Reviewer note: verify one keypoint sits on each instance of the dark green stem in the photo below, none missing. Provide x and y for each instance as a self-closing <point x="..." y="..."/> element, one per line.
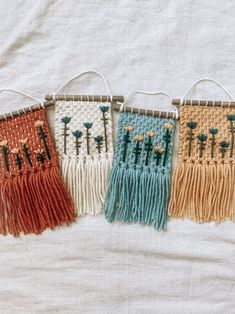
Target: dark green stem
<point x="232" y="138"/>
<point x="5" y="160"/>
<point x="166" y="148"/>
<point x="201" y="149"/>
<point x="105" y="132"/>
<point x="43" y="137"/>
<point x="41" y="158"/>
<point x="149" y="144"/>
<point x="125" y="145"/>
<point x="137" y="152"/>
<point x="158" y="158"/>
<point x="65" y="138"/>
<point x="18" y="161"/>
<point x="27" y="155"/>
<point x="190" y="142"/>
<point x="212" y="145"/>
<point x="87" y="141"/>
<point x="99" y="147"/>
<point x="222" y="152"/>
<point x="77" y="143"/>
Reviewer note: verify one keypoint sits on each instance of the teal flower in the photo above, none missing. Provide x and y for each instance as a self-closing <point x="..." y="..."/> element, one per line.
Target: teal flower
<point x="104" y="108"/>
<point x="87" y="125"/>
<point x="224" y="145"/>
<point x="192" y="125"/>
<point x="202" y="137"/>
<point x="231" y="117"/>
<point x="213" y="131"/>
<point x="77" y="134"/>
<point x="66" y="120"/>
<point x="99" y="142"/>
<point x="99" y="138"/>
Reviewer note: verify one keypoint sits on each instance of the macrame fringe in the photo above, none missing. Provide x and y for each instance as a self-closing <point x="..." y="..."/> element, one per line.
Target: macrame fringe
<point x="203" y="192"/>
<point x="86" y="180"/>
<point x="138" y="194"/>
<point x="34" y="201"/>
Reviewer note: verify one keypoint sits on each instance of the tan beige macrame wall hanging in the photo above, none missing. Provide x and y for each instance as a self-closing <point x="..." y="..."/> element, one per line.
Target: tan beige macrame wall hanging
<point x="33" y="195"/>
<point x="84" y="140"/>
<point x="203" y="184"/>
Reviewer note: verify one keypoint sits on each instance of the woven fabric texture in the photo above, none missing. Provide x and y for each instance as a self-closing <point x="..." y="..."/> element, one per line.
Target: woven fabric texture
<point x="80" y="112"/>
<point x="210" y="121"/>
<point x="141" y="125"/>
<point x="25" y="130"/>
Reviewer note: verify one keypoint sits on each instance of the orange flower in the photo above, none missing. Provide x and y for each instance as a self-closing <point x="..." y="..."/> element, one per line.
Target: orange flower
<point x="15" y="150"/>
<point x="150" y="133"/>
<point x="38" y="151"/>
<point x="159" y="149"/>
<point x="139" y="138"/>
<point x="3" y="143"/>
<point x="38" y="123"/>
<point x="129" y="128"/>
<point x="168" y="126"/>
<point x="23" y="140"/>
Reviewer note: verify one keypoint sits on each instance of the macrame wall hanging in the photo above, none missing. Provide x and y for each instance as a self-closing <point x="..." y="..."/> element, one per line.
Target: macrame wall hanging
<point x="203" y="182"/>
<point x="139" y="182"/>
<point x="84" y="140"/>
<point x="33" y="195"/>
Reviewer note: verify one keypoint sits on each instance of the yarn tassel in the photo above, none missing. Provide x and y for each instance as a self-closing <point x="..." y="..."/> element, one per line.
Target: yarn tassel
<point x="86" y="180"/>
<point x="202" y="192"/>
<point x="34" y="201"/>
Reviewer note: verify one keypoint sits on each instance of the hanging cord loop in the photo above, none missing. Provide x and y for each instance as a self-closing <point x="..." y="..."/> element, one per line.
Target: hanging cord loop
<point x="81" y="74"/>
<point x="122" y="108"/>
<point x="206" y="80"/>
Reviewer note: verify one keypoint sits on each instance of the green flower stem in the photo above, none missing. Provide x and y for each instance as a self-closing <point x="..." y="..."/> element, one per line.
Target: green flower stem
<point x="201" y="149"/>
<point x="41" y="158"/>
<point x="212" y="145"/>
<point x="105" y="132"/>
<point x="5" y="159"/>
<point x="87" y="141"/>
<point x="190" y="142"/>
<point x="232" y="138"/>
<point x="27" y="154"/>
<point x="18" y="161"/>
<point x="137" y="149"/>
<point x="223" y="150"/>
<point x="77" y="145"/>
<point x="126" y="141"/>
<point x="65" y="137"/>
<point x="99" y="147"/>
<point x="148" y="149"/>
<point x="43" y="137"/>
<point x="158" y="158"/>
<point x="167" y="136"/>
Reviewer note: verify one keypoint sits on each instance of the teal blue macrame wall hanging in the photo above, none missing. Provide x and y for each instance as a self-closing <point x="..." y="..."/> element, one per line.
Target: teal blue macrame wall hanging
<point x="139" y="181"/>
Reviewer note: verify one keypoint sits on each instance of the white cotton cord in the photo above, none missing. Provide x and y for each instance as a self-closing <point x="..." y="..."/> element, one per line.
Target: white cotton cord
<point x="81" y="74"/>
<point x="206" y="80"/>
<point x="22" y="94"/>
<point x="122" y="108"/>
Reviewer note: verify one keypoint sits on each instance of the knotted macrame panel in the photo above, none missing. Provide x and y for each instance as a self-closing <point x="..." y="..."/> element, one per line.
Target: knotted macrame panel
<point x="217" y="122"/>
<point x="78" y="113"/>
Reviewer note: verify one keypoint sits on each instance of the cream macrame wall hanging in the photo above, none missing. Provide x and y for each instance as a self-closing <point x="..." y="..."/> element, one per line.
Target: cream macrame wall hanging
<point x="203" y="186"/>
<point x="139" y="182"/>
<point x="84" y="141"/>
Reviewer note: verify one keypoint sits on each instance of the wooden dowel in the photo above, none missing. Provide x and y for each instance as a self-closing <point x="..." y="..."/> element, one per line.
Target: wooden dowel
<point x="210" y="103"/>
<point x="13" y="114"/>
<point x="148" y="112"/>
<point x="101" y="98"/>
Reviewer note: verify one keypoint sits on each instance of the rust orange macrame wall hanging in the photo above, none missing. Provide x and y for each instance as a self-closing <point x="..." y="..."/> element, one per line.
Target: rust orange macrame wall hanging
<point x="33" y="195"/>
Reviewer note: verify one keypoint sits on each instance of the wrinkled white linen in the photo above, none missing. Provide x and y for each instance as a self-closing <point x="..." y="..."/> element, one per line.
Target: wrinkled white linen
<point x="94" y="266"/>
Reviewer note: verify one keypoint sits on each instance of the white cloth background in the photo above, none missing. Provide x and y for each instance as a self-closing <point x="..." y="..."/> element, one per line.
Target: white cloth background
<point x="94" y="266"/>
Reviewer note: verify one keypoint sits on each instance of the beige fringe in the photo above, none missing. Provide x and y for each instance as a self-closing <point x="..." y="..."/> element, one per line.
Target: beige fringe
<point x="203" y="192"/>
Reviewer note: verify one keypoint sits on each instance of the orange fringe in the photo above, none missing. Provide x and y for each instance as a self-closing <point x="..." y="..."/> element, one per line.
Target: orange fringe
<point x="34" y="201"/>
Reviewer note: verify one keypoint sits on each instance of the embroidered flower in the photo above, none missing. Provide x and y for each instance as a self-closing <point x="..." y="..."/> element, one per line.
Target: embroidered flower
<point x="150" y="133"/>
<point x="129" y="128"/>
<point x="224" y="145"/>
<point x="77" y="134"/>
<point x="38" y="123"/>
<point x="192" y="125"/>
<point x="159" y="149"/>
<point x="139" y="138"/>
<point x="38" y="151"/>
<point x="87" y="125"/>
<point x="104" y="108"/>
<point x="23" y="140"/>
<point x="99" y="138"/>
<point x="66" y="120"/>
<point x="213" y="131"/>
<point x="3" y="143"/>
<point x="168" y="126"/>
<point x="231" y="117"/>
<point x="15" y="150"/>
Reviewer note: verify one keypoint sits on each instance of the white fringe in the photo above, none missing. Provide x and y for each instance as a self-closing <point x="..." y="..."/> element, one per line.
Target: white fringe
<point x="86" y="179"/>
